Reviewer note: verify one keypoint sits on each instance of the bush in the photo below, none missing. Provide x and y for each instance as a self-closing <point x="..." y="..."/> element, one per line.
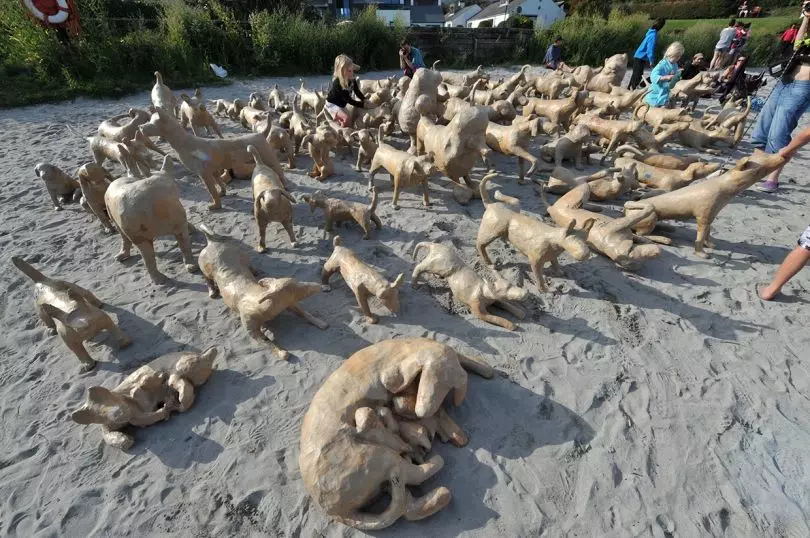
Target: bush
<point x="485" y="24"/>
<point x="689" y="9"/>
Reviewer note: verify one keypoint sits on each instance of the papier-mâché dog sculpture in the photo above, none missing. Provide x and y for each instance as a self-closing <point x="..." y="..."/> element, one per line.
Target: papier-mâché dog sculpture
<point x="352" y="446"/>
<point x="146" y="396"/>
<point x="70" y="311"/>
<point x="61" y="187"/>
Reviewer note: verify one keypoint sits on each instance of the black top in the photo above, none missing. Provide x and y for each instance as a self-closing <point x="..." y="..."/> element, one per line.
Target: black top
<point x="690" y="71"/>
<point x="340" y="96"/>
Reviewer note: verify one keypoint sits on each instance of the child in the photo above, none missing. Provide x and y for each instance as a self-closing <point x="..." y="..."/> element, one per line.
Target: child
<point x="800" y="255"/>
<point x="645" y="53"/>
<point x="664" y="76"/>
<point x="340" y="93"/>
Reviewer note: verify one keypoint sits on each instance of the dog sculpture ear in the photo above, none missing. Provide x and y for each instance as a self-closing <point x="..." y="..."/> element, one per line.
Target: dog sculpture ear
<point x="570" y="227"/>
<point x="588" y="225"/>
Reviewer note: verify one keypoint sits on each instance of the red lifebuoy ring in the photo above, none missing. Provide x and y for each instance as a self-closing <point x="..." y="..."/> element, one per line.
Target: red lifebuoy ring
<point x="59" y="17"/>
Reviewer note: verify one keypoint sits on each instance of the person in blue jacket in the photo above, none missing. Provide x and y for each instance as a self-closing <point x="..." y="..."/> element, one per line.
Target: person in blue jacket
<point x="645" y="53"/>
<point x="664" y="76"/>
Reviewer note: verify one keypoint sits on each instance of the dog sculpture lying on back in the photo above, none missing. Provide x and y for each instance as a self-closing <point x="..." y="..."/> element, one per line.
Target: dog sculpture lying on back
<point x="147" y="395"/>
<point x="354" y="447"/>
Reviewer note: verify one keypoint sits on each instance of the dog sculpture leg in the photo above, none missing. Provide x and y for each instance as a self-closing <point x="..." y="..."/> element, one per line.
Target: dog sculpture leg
<point x="47" y="319"/>
<point x="120" y="336"/>
<point x="211" y="184"/>
<point x="117" y="439"/>
<point x="185" y="391"/>
<point x="319" y="323"/>
<point x="537" y="270"/>
<point x="75" y="344"/>
<point x="147" y="249"/>
<point x="362" y="296"/>
<point x="126" y="248"/>
<point x="480" y="312"/>
<point x="524" y="155"/>
<point x="184" y="242"/>
<point x="512" y="309"/>
<point x="703" y="228"/>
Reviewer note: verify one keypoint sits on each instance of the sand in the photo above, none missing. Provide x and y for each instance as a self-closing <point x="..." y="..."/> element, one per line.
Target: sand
<point x="667" y="402"/>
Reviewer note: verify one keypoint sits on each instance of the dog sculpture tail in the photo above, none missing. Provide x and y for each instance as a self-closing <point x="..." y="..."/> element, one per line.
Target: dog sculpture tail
<point x="337" y="241"/>
<point x="637" y="114"/>
<point x="28" y="269"/>
<point x="631" y="148"/>
<point x="373" y="205"/>
<point x="423" y="244"/>
<point x="209" y="234"/>
<point x="400" y="499"/>
<point x="482" y="189"/>
<point x="437" y="62"/>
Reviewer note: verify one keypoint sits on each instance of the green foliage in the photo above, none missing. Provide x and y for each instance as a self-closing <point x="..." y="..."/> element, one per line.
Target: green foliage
<point x="688" y="9"/>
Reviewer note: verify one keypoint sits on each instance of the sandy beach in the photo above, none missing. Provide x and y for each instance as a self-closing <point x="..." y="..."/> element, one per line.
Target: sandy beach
<point x="667" y="402"/>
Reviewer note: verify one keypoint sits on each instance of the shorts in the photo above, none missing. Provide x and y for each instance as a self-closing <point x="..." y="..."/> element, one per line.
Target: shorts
<point x="723" y="50"/>
<point x="804" y="239"/>
<point x="333" y="109"/>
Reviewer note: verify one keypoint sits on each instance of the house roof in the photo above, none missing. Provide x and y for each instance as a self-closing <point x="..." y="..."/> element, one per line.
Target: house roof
<point x="495" y="8"/>
<point x="463" y="12"/>
<point x="427" y="15"/>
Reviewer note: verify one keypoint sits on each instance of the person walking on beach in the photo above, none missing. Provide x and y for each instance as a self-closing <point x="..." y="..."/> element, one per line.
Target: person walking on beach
<point x="723" y="45"/>
<point x="344" y="84"/>
<point x="410" y="58"/>
<point x="645" y="53"/>
<point x="787" y="103"/>
<point x="664" y="76"/>
<point x="799" y="256"/>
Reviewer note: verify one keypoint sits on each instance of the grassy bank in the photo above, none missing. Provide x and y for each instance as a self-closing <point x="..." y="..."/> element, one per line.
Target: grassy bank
<point x="181" y="40"/>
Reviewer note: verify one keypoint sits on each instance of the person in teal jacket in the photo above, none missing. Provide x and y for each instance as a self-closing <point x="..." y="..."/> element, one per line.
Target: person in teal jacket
<point x="645" y="53"/>
<point x="664" y="76"/>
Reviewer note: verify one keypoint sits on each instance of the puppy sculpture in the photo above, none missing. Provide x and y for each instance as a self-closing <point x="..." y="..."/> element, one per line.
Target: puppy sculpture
<point x="367" y="149"/>
<point x="225" y="265"/>
<point x="230" y="109"/>
<point x="250" y="116"/>
<point x="121" y="152"/>
<point x="114" y="130"/>
<point x="406" y="170"/>
<point x="143" y="209"/>
<point x="207" y="157"/>
<point x="337" y="211"/>
<point x="704" y="200"/>
<point x="162" y="96"/>
<point x="61" y="187"/>
<point x="362" y="279"/>
<point x="320" y="144"/>
<point x="569" y="146"/>
<point x="146" y="396"/>
<point x="70" y="311"/>
<point x="277" y="100"/>
<point x="611" y="237"/>
<point x="271" y="201"/>
<point x="539" y="242"/>
<point x="478" y="294"/>
<point x="355" y="445"/>
<point x="197" y="117"/>
<point x="311" y="99"/>
<point x="616" y="131"/>
<point x="94" y="181"/>
<point x="513" y="140"/>
<point x="607" y="184"/>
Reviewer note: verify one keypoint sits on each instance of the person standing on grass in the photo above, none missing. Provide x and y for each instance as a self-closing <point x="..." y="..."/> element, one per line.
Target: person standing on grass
<point x="799" y="256"/>
<point x="410" y="58"/>
<point x="344" y="84"/>
<point x="664" y="76"/>
<point x="723" y="44"/>
<point x="645" y="53"/>
<point x="787" y="103"/>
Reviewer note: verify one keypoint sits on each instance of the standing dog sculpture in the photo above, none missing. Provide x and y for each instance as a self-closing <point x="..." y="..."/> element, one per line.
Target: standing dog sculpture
<point x="406" y="170"/>
<point x="70" y="311"/>
<point x="362" y="279"/>
<point x="539" y="242"/>
<point x="225" y="265"/>
<point x="354" y="447"/>
<point x="146" y="396"/>
<point x="94" y="181"/>
<point x="478" y="294"/>
<point x="271" y="201"/>
<point x="336" y="211"/>
<point x="143" y="209"/>
<point x="704" y="200"/>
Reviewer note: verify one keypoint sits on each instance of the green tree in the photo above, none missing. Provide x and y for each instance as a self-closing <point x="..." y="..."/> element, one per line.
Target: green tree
<point x="590" y="8"/>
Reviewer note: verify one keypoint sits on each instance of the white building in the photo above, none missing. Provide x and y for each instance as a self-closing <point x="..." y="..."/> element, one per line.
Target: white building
<point x="543" y="12"/>
<point x="460" y="17"/>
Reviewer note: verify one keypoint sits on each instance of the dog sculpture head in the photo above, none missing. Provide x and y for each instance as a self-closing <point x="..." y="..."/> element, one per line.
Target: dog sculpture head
<point x="104" y="406"/>
<point x="316" y="199"/>
<point x="573" y="241"/>
<point x="502" y="289"/>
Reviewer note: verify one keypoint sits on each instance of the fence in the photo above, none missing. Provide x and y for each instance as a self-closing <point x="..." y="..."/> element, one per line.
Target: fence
<point x="463" y="47"/>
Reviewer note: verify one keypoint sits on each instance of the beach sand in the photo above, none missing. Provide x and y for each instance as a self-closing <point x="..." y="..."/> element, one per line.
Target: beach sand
<point x="667" y="402"/>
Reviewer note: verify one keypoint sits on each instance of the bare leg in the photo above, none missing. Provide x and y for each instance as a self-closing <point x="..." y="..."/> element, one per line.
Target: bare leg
<point x="792" y="264"/>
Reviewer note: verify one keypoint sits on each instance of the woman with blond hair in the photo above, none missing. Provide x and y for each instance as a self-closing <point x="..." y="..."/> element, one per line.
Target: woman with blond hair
<point x="340" y="93"/>
<point x="664" y="76"/>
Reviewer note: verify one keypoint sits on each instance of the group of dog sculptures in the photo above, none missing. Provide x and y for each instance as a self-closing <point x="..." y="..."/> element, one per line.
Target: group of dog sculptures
<point x="370" y="427"/>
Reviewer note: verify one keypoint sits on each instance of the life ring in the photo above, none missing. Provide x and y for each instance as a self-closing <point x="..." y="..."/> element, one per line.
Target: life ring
<point x="61" y="15"/>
